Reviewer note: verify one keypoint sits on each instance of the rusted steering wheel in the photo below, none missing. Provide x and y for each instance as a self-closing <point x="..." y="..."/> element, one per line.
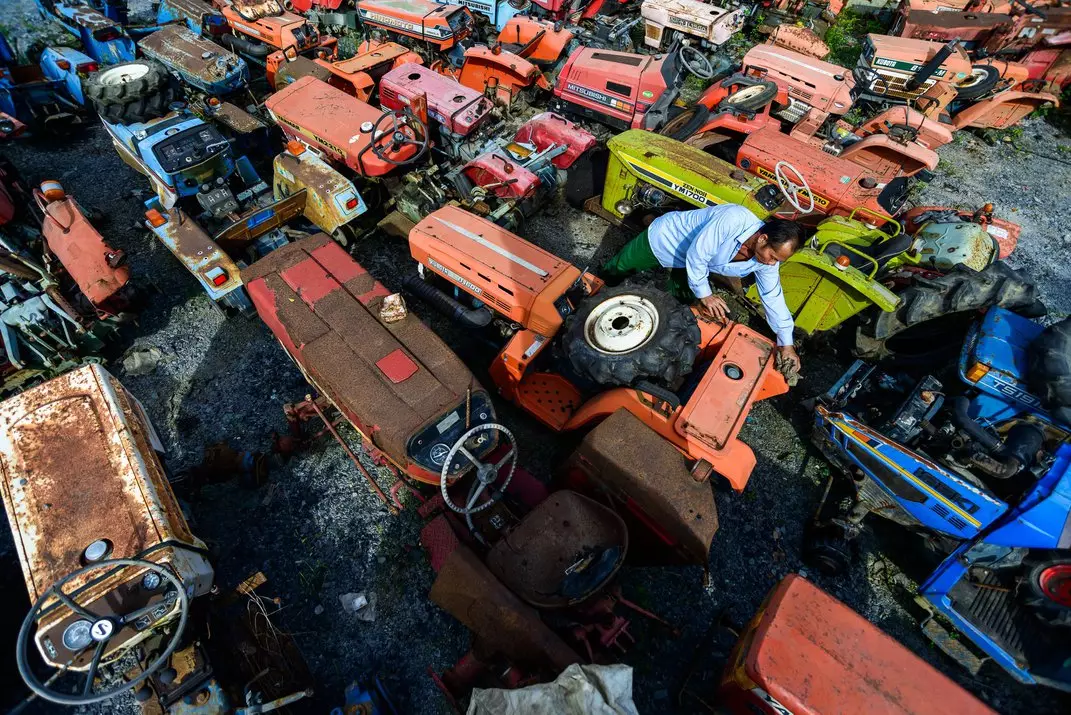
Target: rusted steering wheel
<point x="487" y="473"/>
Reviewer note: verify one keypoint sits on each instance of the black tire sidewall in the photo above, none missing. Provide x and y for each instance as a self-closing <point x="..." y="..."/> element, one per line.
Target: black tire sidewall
<point x="665" y="356"/>
<point x="982" y="87"/>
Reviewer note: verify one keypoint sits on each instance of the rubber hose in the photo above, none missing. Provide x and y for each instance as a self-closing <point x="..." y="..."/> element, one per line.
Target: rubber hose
<point x="978" y="433"/>
<point x="239" y="44"/>
<point x="469" y="317"/>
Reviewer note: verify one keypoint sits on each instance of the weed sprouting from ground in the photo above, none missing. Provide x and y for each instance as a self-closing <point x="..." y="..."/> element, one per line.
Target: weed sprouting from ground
<point x="845" y="36"/>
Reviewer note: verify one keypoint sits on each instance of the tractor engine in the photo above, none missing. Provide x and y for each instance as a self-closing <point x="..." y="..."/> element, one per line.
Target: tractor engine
<point x="462" y="115"/>
<point x="507" y="182"/>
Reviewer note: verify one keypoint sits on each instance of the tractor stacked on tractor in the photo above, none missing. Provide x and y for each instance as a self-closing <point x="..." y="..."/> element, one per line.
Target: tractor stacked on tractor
<point x="290" y="148"/>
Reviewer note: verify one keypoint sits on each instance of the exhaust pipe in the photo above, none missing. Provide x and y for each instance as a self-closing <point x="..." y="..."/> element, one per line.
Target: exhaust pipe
<point x="469" y="317"/>
<point x="932" y="66"/>
<point x="240" y="44"/>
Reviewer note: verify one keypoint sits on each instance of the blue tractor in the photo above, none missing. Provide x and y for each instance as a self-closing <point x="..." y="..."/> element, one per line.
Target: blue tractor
<point x="45" y="96"/>
<point x="104" y="39"/>
<point x="981" y="468"/>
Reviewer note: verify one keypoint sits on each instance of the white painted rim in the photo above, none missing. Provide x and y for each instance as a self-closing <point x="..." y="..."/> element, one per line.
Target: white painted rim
<point x="745" y="94"/>
<point x="123" y="74"/>
<point x="621" y="324"/>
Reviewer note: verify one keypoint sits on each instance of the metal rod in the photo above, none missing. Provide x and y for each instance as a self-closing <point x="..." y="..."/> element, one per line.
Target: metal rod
<point x="353" y="458"/>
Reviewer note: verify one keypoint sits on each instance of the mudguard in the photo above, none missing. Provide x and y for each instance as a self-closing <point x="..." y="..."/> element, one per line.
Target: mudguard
<point x="331" y="200"/>
<point x="822" y="294"/>
<point x="1004" y="110"/>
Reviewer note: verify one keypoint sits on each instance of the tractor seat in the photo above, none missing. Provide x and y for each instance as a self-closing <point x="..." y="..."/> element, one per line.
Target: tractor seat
<point x="562" y="552"/>
<point x="882" y="252"/>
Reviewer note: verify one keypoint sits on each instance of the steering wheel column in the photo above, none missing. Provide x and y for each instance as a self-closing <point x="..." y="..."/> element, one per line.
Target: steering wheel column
<point x="78" y="644"/>
<point x="491" y="477"/>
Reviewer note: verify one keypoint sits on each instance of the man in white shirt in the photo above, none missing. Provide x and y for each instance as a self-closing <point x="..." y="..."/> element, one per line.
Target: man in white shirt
<point x="727" y="240"/>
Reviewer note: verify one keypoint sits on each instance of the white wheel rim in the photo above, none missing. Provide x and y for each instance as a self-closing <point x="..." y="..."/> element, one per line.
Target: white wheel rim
<point x="977" y="76"/>
<point x="745" y="94"/>
<point x="621" y="324"/>
<point x="122" y="75"/>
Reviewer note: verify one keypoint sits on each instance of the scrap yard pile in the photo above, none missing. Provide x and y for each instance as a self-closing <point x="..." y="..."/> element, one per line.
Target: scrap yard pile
<point x="579" y="356"/>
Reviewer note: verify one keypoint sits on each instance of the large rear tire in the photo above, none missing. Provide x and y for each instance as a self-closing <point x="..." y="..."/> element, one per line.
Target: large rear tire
<point x="982" y="79"/>
<point x="629" y="333"/>
<point x="130" y="92"/>
<point x="934" y="314"/>
<point x="1049" y="375"/>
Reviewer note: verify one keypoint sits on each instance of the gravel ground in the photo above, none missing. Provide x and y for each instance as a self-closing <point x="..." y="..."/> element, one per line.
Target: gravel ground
<point x="317" y="533"/>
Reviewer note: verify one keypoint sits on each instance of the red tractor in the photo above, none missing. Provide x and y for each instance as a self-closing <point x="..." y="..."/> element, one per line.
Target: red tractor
<point x="346" y="131"/>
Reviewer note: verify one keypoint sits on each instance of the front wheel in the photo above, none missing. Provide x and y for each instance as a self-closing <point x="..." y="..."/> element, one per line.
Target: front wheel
<point x="630" y="333"/>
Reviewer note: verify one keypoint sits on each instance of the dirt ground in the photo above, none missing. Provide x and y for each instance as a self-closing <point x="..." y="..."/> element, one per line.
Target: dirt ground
<point x="317" y="532"/>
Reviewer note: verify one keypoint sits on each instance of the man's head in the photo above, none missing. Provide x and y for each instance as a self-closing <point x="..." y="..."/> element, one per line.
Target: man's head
<point x="777" y="240"/>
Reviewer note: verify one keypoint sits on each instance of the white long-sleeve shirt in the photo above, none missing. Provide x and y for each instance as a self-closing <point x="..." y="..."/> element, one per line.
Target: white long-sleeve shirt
<point x="704" y="241"/>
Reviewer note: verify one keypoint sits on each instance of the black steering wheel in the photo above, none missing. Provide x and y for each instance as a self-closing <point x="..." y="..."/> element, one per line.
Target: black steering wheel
<point x="101" y="629"/>
<point x="699" y="64"/>
<point x="486" y="473"/>
<point x="396" y="137"/>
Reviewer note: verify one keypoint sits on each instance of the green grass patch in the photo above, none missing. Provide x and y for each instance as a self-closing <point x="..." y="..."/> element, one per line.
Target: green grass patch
<point x="845" y="36"/>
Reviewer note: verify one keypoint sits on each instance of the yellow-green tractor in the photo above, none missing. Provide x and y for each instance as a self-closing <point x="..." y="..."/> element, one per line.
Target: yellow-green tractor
<point x="938" y="263"/>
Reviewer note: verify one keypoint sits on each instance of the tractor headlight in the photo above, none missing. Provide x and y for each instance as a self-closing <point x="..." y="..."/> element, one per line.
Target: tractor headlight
<point x="623" y="207"/>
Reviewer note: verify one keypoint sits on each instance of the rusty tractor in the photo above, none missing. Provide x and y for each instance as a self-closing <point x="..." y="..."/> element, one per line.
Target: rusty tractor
<point x="123" y="599"/>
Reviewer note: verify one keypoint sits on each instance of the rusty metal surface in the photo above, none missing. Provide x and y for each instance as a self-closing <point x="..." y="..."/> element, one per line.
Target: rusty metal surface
<point x="177" y="46"/>
<point x="321" y="181"/>
<point x="500" y="622"/>
<point x="87" y="17"/>
<point x="189" y="242"/>
<point x="564" y="530"/>
<point x="630" y="461"/>
<point x="78" y="467"/>
<point x="236" y="118"/>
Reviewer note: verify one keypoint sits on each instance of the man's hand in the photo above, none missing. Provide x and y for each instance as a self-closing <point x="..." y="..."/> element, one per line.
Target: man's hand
<point x="788" y="363"/>
<point x="714" y="307"/>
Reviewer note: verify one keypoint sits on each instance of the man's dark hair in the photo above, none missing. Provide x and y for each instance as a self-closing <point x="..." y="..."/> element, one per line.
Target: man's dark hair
<point x="780" y="231"/>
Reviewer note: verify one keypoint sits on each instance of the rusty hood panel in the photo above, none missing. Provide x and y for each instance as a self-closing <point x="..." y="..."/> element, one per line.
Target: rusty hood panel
<point x="77" y="468"/>
<point x="203" y="60"/>
<point x="640" y="469"/>
<point x="324" y="308"/>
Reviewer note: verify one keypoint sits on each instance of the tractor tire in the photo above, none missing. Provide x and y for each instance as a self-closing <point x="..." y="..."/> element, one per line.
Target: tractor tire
<point x="934" y="314"/>
<point x="982" y="79"/>
<point x="124" y="84"/>
<point x="830" y="555"/>
<point x="751" y="98"/>
<point x="630" y="333"/>
<point x="686" y="123"/>
<point x="1049" y="584"/>
<point x="1049" y="374"/>
<point x="142" y="109"/>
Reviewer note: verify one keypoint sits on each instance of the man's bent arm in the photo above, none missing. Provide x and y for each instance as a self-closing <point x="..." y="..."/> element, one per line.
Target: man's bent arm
<point x="768" y="282"/>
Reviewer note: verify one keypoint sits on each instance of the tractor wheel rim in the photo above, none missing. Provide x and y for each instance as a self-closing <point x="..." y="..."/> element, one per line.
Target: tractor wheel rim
<point x="1055" y="583"/>
<point x="745" y="94"/>
<point x="621" y="324"/>
<point x="976" y="76"/>
<point x="121" y="75"/>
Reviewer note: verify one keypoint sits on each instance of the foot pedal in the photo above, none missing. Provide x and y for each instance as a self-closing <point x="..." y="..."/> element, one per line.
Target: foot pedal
<point x="947" y="642"/>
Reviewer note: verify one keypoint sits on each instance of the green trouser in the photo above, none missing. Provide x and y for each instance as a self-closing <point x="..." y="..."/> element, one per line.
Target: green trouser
<point x="636" y="256"/>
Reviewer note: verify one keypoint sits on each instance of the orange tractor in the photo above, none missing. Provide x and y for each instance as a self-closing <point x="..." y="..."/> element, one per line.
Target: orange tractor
<point x="581" y="353"/>
<point x="356" y="76"/>
<point x="263" y="26"/>
<point x="346" y="131"/>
